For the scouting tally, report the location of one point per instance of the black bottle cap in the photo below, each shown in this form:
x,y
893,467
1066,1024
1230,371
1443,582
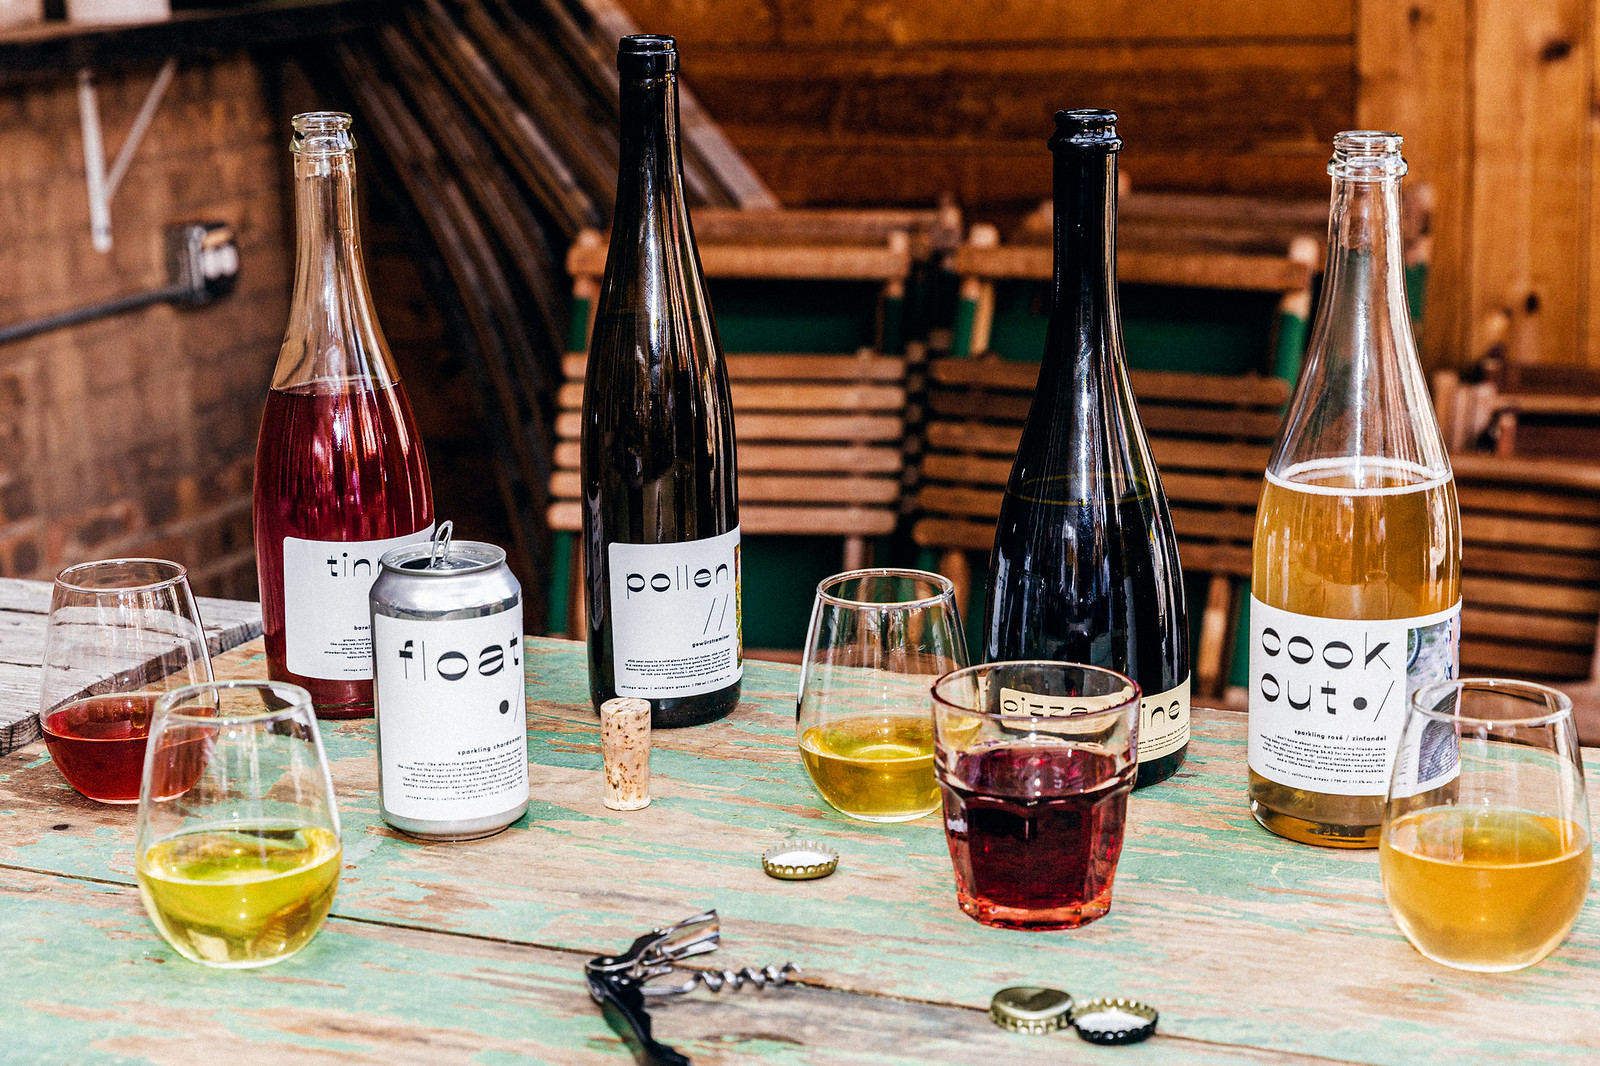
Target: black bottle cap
x,y
1086,128
647,55
1114,1021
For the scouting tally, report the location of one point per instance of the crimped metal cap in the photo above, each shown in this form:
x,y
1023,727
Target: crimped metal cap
x,y
1114,1021
800,860
1026,1009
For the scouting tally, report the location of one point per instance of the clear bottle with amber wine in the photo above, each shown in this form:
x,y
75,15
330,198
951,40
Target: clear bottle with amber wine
x,y
660,495
340,473
1085,564
1356,592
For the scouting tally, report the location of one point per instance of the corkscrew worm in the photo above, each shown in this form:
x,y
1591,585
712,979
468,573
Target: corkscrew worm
x,y
648,970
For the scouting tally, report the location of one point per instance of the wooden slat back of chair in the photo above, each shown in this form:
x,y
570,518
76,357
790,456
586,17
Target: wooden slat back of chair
x,y
1530,583
819,443
781,245
1211,436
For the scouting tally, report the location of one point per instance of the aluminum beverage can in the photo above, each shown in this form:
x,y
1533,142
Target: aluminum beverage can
x,y
448,690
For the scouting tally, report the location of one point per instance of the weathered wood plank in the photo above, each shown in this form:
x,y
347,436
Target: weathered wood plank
x,y
1211,911
906,22
100,986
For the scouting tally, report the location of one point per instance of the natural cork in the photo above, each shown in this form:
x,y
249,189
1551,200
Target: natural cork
x,y
625,747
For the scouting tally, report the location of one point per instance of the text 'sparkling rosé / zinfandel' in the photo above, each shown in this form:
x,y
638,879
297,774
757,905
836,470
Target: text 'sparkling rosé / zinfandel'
x,y
340,473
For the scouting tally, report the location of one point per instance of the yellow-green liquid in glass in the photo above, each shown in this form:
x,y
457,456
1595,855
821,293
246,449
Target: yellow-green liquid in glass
x,y
242,895
1484,888
878,768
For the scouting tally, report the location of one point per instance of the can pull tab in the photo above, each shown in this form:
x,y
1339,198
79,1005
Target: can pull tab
x,y
441,544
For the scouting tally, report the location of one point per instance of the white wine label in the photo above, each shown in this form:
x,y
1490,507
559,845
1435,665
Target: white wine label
x,y
1164,722
452,716
675,616
326,620
1328,695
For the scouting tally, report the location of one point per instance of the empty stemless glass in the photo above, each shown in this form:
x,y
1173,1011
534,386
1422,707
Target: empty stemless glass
x,y
1485,847
238,848
121,632
1036,761
878,638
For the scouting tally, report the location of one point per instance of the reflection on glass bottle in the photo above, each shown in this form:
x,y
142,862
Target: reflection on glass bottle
x,y
340,472
1085,565
660,498
1356,595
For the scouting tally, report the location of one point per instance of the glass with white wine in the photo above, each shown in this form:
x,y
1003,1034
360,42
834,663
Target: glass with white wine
x,y
238,848
877,642
1485,846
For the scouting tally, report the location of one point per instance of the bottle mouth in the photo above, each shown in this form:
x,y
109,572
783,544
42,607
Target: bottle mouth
x,y
1086,128
1367,155
321,133
647,55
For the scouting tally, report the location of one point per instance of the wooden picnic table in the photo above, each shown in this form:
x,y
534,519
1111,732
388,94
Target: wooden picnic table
x,y
1254,949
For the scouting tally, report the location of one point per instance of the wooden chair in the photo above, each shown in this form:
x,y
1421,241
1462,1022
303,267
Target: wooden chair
x,y
1211,436
820,436
1283,273
1520,408
1530,583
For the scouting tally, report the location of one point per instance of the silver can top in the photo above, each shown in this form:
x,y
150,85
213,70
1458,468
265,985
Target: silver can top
x,y
443,557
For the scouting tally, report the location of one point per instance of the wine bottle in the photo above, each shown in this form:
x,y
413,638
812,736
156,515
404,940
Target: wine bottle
x,y
1085,564
1356,593
661,507
340,473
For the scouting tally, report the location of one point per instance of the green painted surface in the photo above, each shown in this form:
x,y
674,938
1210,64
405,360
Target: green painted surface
x,y
1164,328
1240,938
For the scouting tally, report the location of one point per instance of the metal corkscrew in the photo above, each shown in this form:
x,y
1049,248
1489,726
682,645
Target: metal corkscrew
x,y
648,970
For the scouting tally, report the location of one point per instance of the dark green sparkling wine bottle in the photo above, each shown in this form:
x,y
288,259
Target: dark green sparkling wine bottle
x,y
660,499
1085,565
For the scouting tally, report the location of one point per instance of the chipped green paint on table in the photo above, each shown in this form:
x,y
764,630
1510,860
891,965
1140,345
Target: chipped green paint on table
x,y
1255,950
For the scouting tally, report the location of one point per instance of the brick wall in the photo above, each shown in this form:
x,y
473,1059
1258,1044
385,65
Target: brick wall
x,y
135,435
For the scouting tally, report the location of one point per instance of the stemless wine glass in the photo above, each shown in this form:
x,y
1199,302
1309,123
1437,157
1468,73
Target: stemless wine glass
x,y
238,848
1036,760
877,640
1484,848
121,632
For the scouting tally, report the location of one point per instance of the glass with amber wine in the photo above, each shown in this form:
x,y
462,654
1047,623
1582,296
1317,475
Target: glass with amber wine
x,y
121,632
1485,846
878,640
238,847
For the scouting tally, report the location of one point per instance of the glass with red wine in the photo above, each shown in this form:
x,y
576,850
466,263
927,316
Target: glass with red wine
x,y
1035,761
121,633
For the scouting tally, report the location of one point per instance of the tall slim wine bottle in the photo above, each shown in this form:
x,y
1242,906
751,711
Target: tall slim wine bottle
x,y
1085,564
1356,597
340,473
661,506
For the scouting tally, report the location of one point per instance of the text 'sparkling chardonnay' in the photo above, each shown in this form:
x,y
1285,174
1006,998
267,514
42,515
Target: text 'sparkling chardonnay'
x,y
1356,594
340,473
660,499
1085,566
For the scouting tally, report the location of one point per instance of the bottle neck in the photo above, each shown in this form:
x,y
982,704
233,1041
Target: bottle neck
x,y
333,332
1085,186
1365,277
649,175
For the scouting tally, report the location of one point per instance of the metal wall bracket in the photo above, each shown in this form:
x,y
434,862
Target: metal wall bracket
x,y
103,184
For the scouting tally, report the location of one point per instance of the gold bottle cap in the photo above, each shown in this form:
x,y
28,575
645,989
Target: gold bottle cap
x,y
800,860
1114,1021
1026,1009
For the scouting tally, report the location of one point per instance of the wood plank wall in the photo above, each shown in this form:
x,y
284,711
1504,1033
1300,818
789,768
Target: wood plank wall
x,y
876,101
890,101
1498,100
